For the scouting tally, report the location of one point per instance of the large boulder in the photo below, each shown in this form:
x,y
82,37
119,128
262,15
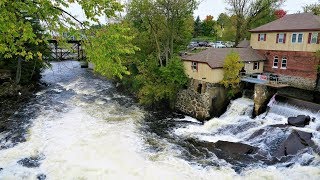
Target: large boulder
x,y
235,148
299,121
296,141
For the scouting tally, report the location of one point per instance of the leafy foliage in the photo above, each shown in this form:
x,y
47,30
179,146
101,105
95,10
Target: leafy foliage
x,y
162,29
251,13
16,30
108,49
313,8
232,66
158,84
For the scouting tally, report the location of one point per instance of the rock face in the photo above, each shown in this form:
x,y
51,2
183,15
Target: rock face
x,y
235,148
299,121
262,95
238,154
202,100
296,141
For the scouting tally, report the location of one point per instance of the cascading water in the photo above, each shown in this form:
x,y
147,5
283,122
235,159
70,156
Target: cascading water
x,y
80,127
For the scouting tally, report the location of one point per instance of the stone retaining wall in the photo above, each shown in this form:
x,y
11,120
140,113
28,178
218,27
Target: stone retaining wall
x,y
202,100
298,82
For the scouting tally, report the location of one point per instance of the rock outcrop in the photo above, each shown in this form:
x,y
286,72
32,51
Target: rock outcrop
x,y
299,121
296,141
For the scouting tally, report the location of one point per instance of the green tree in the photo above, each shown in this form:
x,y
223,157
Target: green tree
x,y
312,8
108,48
250,13
18,33
163,28
208,26
197,27
225,27
231,67
167,21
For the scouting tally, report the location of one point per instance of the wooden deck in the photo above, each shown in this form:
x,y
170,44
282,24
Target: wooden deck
x,y
274,84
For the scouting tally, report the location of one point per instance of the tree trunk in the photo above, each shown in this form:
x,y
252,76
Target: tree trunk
x,y
18,73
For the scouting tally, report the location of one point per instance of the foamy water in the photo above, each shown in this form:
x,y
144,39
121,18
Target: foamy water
x,y
85,129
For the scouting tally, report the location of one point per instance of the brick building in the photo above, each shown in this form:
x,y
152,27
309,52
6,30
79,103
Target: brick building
x,y
289,45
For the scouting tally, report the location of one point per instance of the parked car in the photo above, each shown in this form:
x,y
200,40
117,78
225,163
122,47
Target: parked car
x,y
211,44
220,42
229,44
193,45
203,44
219,45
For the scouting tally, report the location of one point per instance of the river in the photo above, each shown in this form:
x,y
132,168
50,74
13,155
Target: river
x,y
81,127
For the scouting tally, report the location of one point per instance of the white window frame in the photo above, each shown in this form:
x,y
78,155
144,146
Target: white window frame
x,y
256,65
314,35
296,40
274,59
194,66
281,37
286,62
262,37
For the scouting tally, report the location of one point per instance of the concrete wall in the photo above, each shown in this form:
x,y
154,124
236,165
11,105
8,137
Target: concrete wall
x,y
204,73
270,43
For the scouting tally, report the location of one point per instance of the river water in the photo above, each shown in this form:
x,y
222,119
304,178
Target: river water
x,y
80,127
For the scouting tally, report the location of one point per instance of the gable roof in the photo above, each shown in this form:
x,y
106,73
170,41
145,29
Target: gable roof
x,y
215,57
291,22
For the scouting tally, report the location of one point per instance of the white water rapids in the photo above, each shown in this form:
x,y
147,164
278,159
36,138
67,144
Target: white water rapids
x,y
82,128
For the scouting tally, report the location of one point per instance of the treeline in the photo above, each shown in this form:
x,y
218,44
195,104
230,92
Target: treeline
x,y
241,16
142,50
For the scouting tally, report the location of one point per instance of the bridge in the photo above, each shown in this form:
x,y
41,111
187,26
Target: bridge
x,y
74,52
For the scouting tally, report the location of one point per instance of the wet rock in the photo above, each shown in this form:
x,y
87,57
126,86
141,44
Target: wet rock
x,y
31,162
41,177
296,141
235,147
256,134
281,126
299,121
238,154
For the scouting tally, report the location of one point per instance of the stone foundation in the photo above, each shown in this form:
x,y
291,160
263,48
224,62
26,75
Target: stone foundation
x,y
202,100
298,82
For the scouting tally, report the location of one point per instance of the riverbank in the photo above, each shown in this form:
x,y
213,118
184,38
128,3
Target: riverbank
x,y
12,98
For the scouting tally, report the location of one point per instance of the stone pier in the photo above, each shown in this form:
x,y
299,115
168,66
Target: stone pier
x,y
262,96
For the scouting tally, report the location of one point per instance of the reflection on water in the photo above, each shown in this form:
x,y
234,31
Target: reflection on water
x,y
80,127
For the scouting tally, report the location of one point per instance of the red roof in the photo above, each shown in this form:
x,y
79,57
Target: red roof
x,y
215,57
292,22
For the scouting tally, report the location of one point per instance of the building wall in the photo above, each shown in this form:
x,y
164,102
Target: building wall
x,y
301,67
248,67
270,43
204,73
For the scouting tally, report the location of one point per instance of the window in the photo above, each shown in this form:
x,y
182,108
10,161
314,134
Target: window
x,y
314,38
262,37
281,38
297,38
194,66
256,65
284,63
275,62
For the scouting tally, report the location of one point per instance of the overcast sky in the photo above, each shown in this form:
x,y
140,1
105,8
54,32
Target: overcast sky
x,y
215,7
210,7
